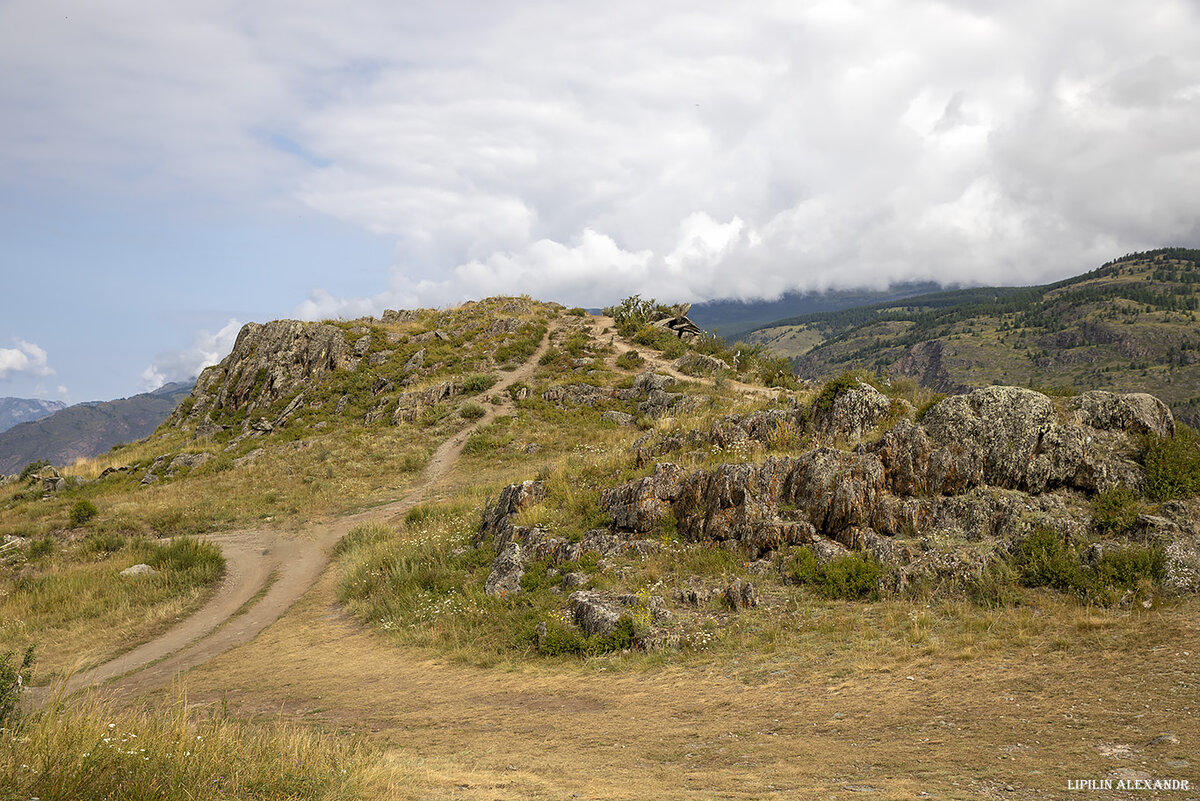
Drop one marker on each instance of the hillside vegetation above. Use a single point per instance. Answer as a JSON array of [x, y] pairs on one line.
[[1130, 325], [576, 554]]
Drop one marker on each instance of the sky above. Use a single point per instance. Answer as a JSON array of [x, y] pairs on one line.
[[170, 171]]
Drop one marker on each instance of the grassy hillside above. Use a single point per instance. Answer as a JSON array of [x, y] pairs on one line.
[[1131, 325], [742, 632]]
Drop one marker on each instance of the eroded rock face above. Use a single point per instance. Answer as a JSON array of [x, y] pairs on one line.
[[853, 413], [984, 465], [268, 362]]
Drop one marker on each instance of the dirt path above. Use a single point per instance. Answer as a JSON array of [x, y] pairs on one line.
[[661, 365], [267, 571]]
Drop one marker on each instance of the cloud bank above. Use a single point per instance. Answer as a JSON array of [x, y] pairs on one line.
[[685, 150]]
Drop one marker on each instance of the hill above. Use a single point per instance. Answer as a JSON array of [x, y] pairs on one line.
[[1130, 325], [14, 411], [503, 524], [87, 429]]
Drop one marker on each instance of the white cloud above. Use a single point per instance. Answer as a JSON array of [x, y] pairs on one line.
[[185, 364], [687, 150], [26, 358]]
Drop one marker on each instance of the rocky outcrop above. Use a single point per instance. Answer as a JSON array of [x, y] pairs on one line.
[[268, 362], [988, 464], [852, 413]]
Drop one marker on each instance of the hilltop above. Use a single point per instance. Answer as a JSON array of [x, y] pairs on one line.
[[1130, 325], [469, 533]]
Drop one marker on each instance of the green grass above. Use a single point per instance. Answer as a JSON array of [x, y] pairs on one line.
[[1172, 464]]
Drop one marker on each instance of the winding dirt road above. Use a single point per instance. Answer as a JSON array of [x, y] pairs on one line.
[[267, 571]]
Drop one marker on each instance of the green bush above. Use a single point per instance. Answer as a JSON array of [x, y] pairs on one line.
[[471, 411], [31, 469], [578, 311], [1172, 464], [630, 360], [850, 577], [660, 339], [40, 548], [1130, 566], [1043, 560], [561, 640], [1116, 510], [478, 382], [104, 542], [82, 512]]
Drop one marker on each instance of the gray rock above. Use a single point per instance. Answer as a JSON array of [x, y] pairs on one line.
[[693, 363], [139, 570], [853, 412], [593, 613], [513, 498], [249, 458], [507, 569], [572, 581], [648, 382], [268, 362], [620, 418], [415, 362]]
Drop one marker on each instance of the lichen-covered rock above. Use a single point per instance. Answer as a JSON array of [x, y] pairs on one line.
[[593, 613], [1136, 412], [693, 363], [268, 362], [513, 498], [507, 569], [853, 412], [741, 595], [638, 506], [411, 404]]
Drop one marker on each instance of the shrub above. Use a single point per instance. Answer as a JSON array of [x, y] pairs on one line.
[[1172, 464], [40, 548], [82, 512], [104, 542], [1116, 510], [31, 469], [1130, 566], [471, 411], [850, 577], [578, 311], [560, 639], [834, 387], [1044, 560], [630, 360], [478, 382]]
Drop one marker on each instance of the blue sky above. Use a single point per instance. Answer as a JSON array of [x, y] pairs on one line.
[[169, 171]]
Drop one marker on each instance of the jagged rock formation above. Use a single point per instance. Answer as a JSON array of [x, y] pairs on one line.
[[269, 362], [993, 464]]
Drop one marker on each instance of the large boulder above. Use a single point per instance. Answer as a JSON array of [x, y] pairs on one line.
[[853, 412]]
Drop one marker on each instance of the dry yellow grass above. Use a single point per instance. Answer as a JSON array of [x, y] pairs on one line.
[[967, 703]]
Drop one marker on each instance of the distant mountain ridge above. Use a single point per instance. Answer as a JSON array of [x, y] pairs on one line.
[[87, 429], [1131, 325], [733, 318], [14, 411]]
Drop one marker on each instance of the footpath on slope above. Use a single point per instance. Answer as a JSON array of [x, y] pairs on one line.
[[280, 568]]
